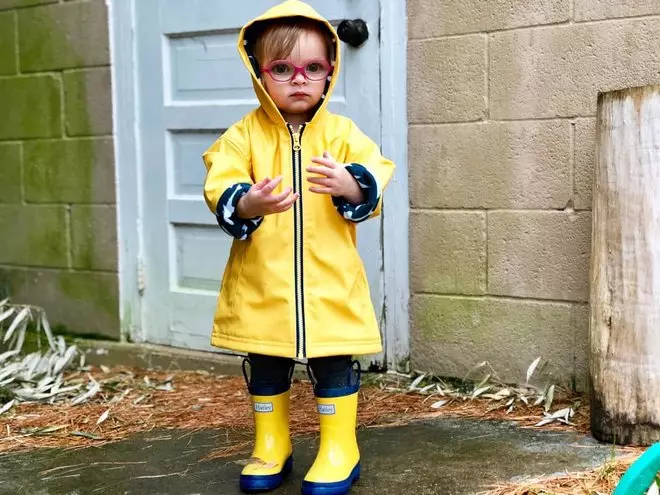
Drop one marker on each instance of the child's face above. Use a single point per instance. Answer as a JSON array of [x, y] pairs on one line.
[[297, 97]]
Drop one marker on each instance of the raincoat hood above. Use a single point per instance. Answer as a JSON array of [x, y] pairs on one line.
[[248, 35]]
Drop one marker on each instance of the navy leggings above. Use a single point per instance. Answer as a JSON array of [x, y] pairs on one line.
[[271, 375]]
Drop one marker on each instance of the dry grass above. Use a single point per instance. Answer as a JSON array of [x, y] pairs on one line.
[[200, 401], [599, 481]]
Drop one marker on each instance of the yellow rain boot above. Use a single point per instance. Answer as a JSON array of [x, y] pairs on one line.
[[271, 458], [337, 465]]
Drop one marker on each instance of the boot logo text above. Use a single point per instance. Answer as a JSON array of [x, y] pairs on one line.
[[328, 409], [263, 407]]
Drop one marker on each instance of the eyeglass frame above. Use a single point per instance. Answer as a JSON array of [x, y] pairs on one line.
[[299, 69]]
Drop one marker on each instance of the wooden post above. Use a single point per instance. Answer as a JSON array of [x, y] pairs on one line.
[[625, 269]]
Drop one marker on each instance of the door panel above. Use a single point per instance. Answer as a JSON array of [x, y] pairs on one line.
[[192, 86]]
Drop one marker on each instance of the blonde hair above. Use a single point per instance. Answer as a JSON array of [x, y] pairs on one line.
[[278, 39]]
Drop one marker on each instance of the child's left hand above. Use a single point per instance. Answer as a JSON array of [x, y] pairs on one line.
[[336, 180]]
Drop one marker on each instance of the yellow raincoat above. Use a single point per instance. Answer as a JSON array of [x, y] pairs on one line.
[[294, 285]]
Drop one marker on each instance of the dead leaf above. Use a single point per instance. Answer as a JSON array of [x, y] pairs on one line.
[[417, 381], [50, 429], [561, 413], [483, 382], [505, 392], [86, 435], [480, 391], [47, 331], [549, 398], [103, 417], [532, 368], [7, 406], [545, 422], [6, 355], [439, 404], [14, 324], [6, 314]]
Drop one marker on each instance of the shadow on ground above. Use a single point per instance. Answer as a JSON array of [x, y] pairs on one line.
[[439, 456]]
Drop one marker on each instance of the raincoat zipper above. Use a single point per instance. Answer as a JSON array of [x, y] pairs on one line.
[[296, 151]]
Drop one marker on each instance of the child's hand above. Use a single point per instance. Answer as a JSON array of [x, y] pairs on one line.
[[259, 200], [336, 180]]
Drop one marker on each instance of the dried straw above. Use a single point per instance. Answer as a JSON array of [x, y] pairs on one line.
[[135, 401], [600, 481]]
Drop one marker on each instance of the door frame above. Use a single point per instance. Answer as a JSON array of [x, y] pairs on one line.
[[394, 143]]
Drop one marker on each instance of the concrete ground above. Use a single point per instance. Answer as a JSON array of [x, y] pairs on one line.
[[440, 456]]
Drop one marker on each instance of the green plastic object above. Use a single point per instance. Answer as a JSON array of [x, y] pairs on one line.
[[641, 474]]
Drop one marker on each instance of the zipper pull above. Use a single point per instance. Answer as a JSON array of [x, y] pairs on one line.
[[296, 137], [296, 141]]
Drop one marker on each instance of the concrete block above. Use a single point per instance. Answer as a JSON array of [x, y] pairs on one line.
[[10, 4], [491, 165], [430, 18], [590, 10], [539, 254], [33, 235], [448, 252], [94, 237], [82, 303], [582, 347], [64, 36], [31, 107], [447, 79], [558, 71], [8, 57], [10, 173], [12, 281], [88, 100], [450, 335], [71, 171], [585, 161]]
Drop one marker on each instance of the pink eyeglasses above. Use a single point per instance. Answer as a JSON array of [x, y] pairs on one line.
[[284, 71]]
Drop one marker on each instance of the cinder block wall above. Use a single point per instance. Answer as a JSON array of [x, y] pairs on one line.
[[58, 245], [502, 99]]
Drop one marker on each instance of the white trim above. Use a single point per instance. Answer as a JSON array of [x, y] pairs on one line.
[[394, 143], [121, 17]]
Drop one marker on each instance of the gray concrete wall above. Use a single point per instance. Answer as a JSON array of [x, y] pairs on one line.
[[502, 99], [57, 181]]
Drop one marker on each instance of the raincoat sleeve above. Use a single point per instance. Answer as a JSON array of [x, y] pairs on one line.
[[371, 170], [228, 179]]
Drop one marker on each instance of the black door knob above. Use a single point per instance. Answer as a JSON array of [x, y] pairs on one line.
[[353, 32]]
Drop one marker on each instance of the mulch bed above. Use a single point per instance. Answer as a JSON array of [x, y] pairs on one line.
[[136, 401], [197, 401], [600, 481]]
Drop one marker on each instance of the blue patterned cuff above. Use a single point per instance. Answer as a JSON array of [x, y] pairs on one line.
[[227, 217], [371, 190]]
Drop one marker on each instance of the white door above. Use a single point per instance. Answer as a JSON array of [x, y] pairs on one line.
[[192, 86]]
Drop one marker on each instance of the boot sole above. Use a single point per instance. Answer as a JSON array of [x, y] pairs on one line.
[[334, 488], [251, 483]]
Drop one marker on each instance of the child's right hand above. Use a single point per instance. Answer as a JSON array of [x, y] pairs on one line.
[[259, 200]]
